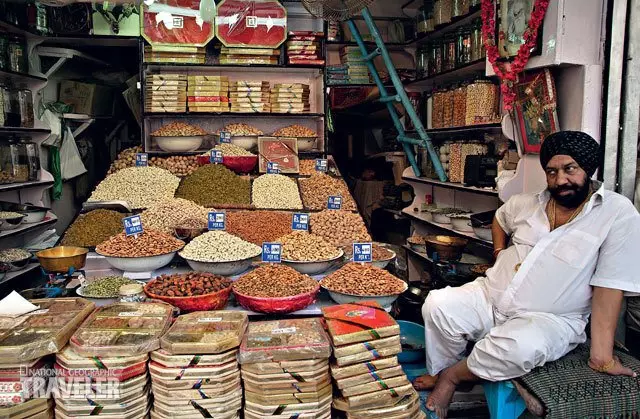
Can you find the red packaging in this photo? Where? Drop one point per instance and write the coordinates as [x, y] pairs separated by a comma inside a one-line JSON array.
[[175, 22], [359, 322], [305, 61], [257, 23]]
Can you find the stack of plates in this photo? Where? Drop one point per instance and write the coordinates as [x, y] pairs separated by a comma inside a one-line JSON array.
[[304, 47], [174, 54], [249, 96], [208, 93], [247, 56], [290, 98], [115, 386], [17, 381], [366, 341], [166, 93], [357, 69], [283, 375]]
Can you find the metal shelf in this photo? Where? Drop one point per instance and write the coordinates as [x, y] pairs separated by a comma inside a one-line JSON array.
[[11, 275], [231, 114], [456, 23], [450, 185], [447, 132], [159, 66], [391, 46], [49, 219], [15, 78], [474, 69], [25, 185], [445, 227]]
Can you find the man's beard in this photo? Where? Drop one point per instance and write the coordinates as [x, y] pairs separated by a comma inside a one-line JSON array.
[[573, 200]]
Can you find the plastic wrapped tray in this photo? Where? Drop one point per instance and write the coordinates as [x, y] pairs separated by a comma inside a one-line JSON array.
[[323, 405], [284, 388], [353, 323], [217, 401], [408, 407], [370, 377], [196, 406], [164, 358], [284, 340], [341, 372], [205, 332], [43, 331], [122, 329], [324, 415], [356, 348], [97, 374], [285, 366], [369, 355], [376, 399], [192, 373], [203, 383], [290, 398], [139, 412], [288, 377], [160, 413], [134, 405], [101, 389], [195, 394], [120, 397], [27, 409], [70, 360], [382, 384]]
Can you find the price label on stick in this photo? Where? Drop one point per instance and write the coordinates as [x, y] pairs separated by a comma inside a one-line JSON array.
[[334, 203], [362, 252], [321, 165], [216, 220], [225, 137], [215, 157], [273, 168], [271, 252], [142, 159], [300, 222], [132, 225]]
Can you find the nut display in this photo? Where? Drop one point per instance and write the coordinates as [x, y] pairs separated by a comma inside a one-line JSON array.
[[164, 216], [126, 158], [298, 131], [274, 281], [140, 186], [317, 189], [13, 255], [276, 192], [187, 285], [106, 286], [213, 185], [304, 247], [363, 280], [148, 243], [307, 167], [178, 165], [482, 103], [92, 228], [178, 129], [219, 246], [241, 130], [340, 228], [377, 252], [258, 227], [232, 150]]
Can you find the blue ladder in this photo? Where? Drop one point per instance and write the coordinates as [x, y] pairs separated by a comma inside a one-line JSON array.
[[399, 97]]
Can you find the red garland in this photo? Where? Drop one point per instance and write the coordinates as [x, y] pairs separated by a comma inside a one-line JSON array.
[[508, 72]]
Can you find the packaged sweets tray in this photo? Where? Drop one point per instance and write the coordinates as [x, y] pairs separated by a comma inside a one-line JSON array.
[[137, 413], [159, 413], [283, 340], [101, 389], [205, 386], [69, 359], [322, 415], [289, 409], [215, 402], [285, 366], [290, 398], [382, 398], [185, 383], [166, 359], [408, 407], [27, 409], [103, 408], [372, 345], [353, 323], [119, 397], [370, 377], [195, 394], [398, 381], [196, 406], [191, 373], [215, 331], [122, 329], [284, 388], [369, 355], [288, 377], [340, 372], [96, 374], [44, 331]]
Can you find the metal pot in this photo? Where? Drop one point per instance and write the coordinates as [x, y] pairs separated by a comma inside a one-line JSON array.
[[445, 248]]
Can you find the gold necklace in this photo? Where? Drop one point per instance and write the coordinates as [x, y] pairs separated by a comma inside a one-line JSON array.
[[552, 211]]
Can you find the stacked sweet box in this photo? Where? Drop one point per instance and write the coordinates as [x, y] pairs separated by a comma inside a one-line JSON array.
[[290, 98], [285, 370], [357, 69], [174, 54], [208, 93], [247, 56], [304, 48], [338, 74], [249, 96], [166, 93], [366, 372], [195, 374]]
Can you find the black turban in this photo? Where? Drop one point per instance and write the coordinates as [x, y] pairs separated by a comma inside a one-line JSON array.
[[580, 146]]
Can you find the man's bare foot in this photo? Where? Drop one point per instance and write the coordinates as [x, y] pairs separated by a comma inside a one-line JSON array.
[[425, 382], [440, 398]]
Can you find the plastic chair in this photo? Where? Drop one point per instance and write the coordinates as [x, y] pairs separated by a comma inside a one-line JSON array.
[[503, 400]]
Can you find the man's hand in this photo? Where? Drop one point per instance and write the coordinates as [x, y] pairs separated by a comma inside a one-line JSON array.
[[613, 367]]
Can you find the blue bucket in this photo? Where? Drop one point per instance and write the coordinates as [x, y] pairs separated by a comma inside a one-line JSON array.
[[412, 338]]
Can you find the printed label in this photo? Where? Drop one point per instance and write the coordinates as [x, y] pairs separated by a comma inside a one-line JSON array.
[[251, 22], [362, 252], [216, 220], [132, 225], [178, 22], [271, 252], [225, 137], [300, 222], [210, 320], [273, 168], [321, 165], [142, 159], [284, 331], [334, 203], [131, 314], [215, 157]]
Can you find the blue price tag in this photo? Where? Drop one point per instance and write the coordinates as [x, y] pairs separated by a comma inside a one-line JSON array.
[[271, 252], [132, 225], [273, 168], [216, 220], [321, 165], [225, 137], [142, 159], [335, 203], [215, 157], [362, 252], [300, 222]]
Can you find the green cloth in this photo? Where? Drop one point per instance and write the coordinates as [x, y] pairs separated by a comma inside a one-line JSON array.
[[56, 171]]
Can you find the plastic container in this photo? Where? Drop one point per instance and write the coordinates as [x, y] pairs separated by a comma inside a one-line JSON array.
[[279, 305], [353, 323], [340, 372], [285, 366], [284, 340], [213, 301], [167, 359], [413, 342]]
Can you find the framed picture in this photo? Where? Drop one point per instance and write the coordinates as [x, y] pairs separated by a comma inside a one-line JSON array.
[[513, 18], [535, 109]]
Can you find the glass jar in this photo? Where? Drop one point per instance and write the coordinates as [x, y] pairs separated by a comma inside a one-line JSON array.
[[19, 161], [4, 51], [428, 12], [482, 103], [6, 164], [442, 10], [459, 105], [477, 41], [422, 61], [4, 105], [460, 8], [415, 99], [428, 111], [449, 53], [437, 111], [16, 55], [421, 22], [20, 109], [131, 293], [463, 47], [435, 58], [33, 160], [447, 109]]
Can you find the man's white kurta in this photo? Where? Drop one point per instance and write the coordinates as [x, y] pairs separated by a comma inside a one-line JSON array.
[[525, 317]]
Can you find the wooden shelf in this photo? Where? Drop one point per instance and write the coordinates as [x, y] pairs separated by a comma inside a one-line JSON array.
[[451, 185], [457, 22], [25, 228], [231, 114], [445, 227], [14, 274], [474, 69]]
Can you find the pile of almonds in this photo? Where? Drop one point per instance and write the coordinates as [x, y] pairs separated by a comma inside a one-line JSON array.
[[301, 246], [363, 280], [258, 227], [241, 130], [297, 131], [274, 281], [148, 243], [317, 189]]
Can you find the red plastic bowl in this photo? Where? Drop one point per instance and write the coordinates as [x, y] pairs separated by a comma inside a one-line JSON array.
[[215, 301], [238, 164], [281, 305]]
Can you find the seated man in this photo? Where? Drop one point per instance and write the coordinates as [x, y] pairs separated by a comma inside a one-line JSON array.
[[575, 248]]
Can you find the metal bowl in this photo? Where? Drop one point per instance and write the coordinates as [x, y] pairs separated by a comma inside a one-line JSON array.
[[306, 143], [140, 264], [179, 144], [98, 301], [384, 300], [61, 258], [313, 268], [248, 142], [221, 268], [445, 248], [11, 223]]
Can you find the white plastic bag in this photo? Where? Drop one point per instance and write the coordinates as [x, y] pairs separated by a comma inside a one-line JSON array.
[[70, 162], [53, 121]]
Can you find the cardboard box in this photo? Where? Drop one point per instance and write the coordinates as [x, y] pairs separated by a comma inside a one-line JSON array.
[[87, 98]]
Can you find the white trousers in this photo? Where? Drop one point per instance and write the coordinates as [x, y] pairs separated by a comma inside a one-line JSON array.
[[506, 347]]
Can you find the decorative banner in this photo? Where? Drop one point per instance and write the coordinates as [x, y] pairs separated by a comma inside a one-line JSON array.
[[273, 168], [362, 252], [216, 220], [225, 137], [334, 203], [215, 157], [300, 222], [321, 165], [132, 225], [142, 159], [271, 252]]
